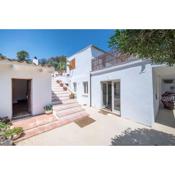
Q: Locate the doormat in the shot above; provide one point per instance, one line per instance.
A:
(104, 112)
(85, 121)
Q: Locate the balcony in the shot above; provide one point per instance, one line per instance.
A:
(108, 60)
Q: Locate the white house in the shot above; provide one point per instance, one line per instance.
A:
(24, 88)
(127, 86)
(79, 78)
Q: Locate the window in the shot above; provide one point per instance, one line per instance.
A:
(85, 87)
(72, 64)
(75, 86)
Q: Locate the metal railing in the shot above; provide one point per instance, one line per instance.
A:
(108, 60)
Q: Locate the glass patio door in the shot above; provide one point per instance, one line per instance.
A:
(107, 95)
(116, 97)
(104, 94)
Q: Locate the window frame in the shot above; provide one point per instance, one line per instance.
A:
(75, 86)
(85, 87)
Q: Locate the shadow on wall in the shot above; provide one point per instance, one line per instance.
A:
(143, 137)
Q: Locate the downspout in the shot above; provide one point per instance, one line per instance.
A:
(90, 91)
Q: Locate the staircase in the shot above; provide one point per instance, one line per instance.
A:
(63, 105)
(65, 110)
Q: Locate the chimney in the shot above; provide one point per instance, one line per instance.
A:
(35, 60)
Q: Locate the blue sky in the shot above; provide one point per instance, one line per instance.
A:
(47, 43)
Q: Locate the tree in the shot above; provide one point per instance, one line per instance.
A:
(158, 45)
(22, 55)
(2, 56)
(43, 61)
(58, 62)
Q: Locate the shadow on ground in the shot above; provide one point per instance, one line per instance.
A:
(143, 137)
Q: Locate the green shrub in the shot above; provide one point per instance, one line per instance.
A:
(48, 107)
(4, 126)
(10, 133)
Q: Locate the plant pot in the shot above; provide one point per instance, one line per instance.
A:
(7, 142)
(16, 136)
(71, 96)
(61, 84)
(65, 88)
(48, 112)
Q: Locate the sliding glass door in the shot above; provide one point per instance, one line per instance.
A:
(107, 95)
(111, 96)
(116, 97)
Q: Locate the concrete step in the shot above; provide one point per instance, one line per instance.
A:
(65, 106)
(56, 85)
(76, 115)
(60, 95)
(69, 111)
(69, 101)
(41, 129)
(58, 90)
(33, 122)
(60, 98)
(52, 125)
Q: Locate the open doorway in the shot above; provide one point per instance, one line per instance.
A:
(21, 98)
(166, 113)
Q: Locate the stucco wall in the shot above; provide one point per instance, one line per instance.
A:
(136, 90)
(82, 72)
(41, 88)
(156, 92)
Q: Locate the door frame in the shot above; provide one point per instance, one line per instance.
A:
(112, 93)
(106, 83)
(118, 112)
(31, 94)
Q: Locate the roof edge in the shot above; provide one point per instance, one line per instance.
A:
(23, 62)
(87, 47)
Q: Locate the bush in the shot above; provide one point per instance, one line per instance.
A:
(48, 107)
(7, 134)
(5, 120)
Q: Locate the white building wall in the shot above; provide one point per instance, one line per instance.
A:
(41, 88)
(136, 90)
(82, 72)
(156, 92)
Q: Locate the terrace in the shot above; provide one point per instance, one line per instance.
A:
(107, 60)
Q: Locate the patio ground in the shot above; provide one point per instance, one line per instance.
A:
(107, 129)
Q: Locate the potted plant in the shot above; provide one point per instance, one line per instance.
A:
(14, 133)
(61, 84)
(65, 88)
(5, 142)
(48, 109)
(72, 96)
(5, 120)
(3, 127)
(7, 134)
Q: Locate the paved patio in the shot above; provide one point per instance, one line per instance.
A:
(107, 129)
